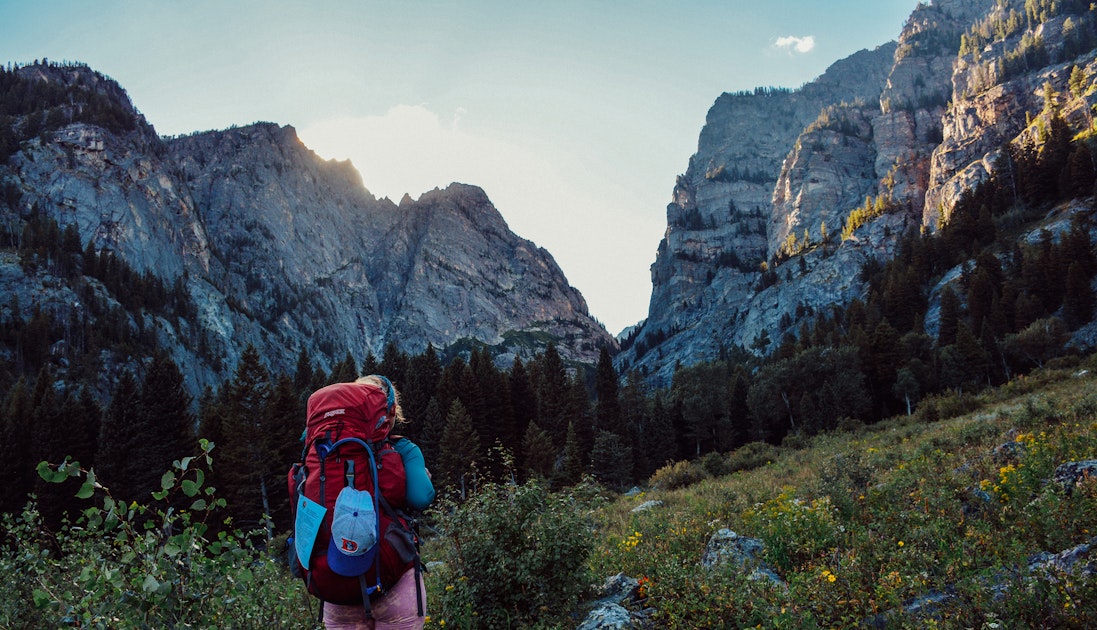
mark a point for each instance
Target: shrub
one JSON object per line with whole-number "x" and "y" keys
{"x": 753, "y": 455}
{"x": 142, "y": 566}
{"x": 513, "y": 555}
{"x": 715, "y": 464}
{"x": 678, "y": 475}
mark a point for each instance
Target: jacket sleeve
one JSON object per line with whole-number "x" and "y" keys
{"x": 420, "y": 491}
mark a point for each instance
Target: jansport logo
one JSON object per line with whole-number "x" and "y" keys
{"x": 335, "y": 412}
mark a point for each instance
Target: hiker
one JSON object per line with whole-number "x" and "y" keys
{"x": 358, "y": 551}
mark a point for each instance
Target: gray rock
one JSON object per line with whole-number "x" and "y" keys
{"x": 607, "y": 616}
{"x": 647, "y": 505}
{"x": 288, "y": 252}
{"x": 725, "y": 547}
{"x": 1071, "y": 474}
{"x": 619, "y": 588}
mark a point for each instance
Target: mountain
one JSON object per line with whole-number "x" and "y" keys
{"x": 266, "y": 243}
{"x": 792, "y": 192}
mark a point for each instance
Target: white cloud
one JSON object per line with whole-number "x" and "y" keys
{"x": 795, "y": 44}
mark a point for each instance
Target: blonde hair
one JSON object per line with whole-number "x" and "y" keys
{"x": 383, "y": 384}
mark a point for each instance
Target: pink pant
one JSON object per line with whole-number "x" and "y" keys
{"x": 395, "y": 610}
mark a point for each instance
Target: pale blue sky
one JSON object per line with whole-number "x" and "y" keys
{"x": 574, "y": 116}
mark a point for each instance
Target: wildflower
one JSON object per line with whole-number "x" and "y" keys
{"x": 831, "y": 577}
{"x": 901, "y": 543}
{"x": 449, "y": 587}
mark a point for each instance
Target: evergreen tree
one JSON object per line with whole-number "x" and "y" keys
{"x": 242, "y": 406}
{"x": 113, "y": 462}
{"x": 163, "y": 424}
{"x": 701, "y": 392}
{"x": 607, "y": 410}
{"x": 50, "y": 443}
{"x": 523, "y": 398}
{"x": 571, "y": 467}
{"x": 1079, "y": 302}
{"x": 450, "y": 386}
{"x": 16, "y": 462}
{"x": 345, "y": 371}
{"x": 459, "y": 451}
{"x": 553, "y": 412}
{"x": 430, "y": 435}
{"x": 394, "y": 366}
{"x": 283, "y": 424}
{"x": 738, "y": 413}
{"x": 950, "y": 317}
{"x": 304, "y": 374}
{"x": 611, "y": 460}
{"x": 658, "y": 444}
{"x": 85, "y": 415}
{"x": 538, "y": 454}
{"x": 424, "y": 372}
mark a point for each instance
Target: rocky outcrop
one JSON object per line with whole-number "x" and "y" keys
{"x": 288, "y": 252}
{"x": 756, "y": 178}
{"x": 908, "y": 128}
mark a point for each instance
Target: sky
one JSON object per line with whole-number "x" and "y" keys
{"x": 575, "y": 117}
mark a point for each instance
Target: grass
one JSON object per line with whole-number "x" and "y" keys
{"x": 950, "y": 503}
{"x": 862, "y": 524}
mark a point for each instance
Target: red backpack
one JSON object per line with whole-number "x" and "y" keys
{"x": 351, "y": 539}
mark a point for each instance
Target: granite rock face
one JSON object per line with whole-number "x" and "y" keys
{"x": 288, "y": 252}
{"x": 754, "y": 242}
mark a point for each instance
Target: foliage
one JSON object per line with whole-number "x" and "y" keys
{"x": 142, "y": 564}
{"x": 678, "y": 475}
{"x": 860, "y": 525}
{"x": 513, "y": 556}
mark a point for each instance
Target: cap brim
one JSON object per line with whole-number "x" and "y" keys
{"x": 349, "y": 566}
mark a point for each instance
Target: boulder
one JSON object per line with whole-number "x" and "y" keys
{"x": 725, "y": 547}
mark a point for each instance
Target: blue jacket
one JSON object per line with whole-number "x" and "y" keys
{"x": 420, "y": 489}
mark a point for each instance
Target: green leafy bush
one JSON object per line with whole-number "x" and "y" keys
{"x": 512, "y": 556}
{"x": 677, "y": 475}
{"x": 753, "y": 455}
{"x": 142, "y": 566}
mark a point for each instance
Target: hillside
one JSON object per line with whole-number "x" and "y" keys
{"x": 792, "y": 192}
{"x": 967, "y": 514}
{"x": 259, "y": 240}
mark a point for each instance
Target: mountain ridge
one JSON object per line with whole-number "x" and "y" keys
{"x": 279, "y": 248}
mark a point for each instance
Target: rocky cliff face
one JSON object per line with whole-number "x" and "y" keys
{"x": 288, "y": 252}
{"x": 753, "y": 241}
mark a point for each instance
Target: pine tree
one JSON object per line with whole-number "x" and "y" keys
{"x": 304, "y": 373}
{"x": 114, "y": 465}
{"x": 284, "y": 422}
{"x": 571, "y": 467}
{"x": 607, "y": 411}
{"x": 433, "y": 423}
{"x": 50, "y": 443}
{"x": 458, "y": 451}
{"x": 242, "y": 405}
{"x": 16, "y": 465}
{"x": 553, "y": 411}
{"x": 538, "y": 455}
{"x": 163, "y": 425}
{"x": 523, "y": 397}
{"x": 611, "y": 460}
{"x": 950, "y": 317}
{"x": 345, "y": 371}
{"x": 1079, "y": 301}
{"x": 424, "y": 372}
{"x": 659, "y": 445}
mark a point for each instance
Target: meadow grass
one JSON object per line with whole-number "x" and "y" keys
{"x": 862, "y": 524}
